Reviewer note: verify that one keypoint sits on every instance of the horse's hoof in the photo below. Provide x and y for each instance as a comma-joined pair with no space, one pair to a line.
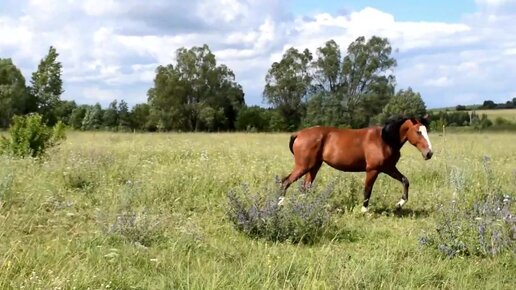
364,209
400,203
281,200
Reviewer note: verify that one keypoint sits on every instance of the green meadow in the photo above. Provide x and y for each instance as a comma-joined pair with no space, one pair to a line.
508,114
148,211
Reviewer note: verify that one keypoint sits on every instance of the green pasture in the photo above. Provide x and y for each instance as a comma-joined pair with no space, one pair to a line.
61,217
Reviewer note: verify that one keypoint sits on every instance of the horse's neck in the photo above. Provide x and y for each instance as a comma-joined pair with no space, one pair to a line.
403,138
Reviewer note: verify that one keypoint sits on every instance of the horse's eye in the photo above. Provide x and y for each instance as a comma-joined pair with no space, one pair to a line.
419,132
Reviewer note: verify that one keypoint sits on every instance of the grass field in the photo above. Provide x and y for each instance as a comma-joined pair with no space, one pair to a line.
508,114
58,216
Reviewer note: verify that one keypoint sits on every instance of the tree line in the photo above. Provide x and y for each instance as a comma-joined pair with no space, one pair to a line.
346,88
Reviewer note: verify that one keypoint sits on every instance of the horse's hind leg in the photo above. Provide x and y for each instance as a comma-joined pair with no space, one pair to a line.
310,176
368,188
292,177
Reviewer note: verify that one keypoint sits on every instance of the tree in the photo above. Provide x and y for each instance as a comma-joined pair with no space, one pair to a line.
110,117
47,86
406,103
488,104
77,116
366,79
324,108
124,120
195,94
63,111
328,68
140,119
253,119
13,92
92,118
287,85
460,108
350,90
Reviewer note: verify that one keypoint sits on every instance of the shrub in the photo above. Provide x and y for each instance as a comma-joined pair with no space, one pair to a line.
30,136
485,227
132,226
303,218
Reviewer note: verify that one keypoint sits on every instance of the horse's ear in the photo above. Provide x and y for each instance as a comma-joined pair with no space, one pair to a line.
425,120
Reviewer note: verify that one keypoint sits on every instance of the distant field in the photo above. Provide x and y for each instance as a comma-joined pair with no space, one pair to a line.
170,191
508,114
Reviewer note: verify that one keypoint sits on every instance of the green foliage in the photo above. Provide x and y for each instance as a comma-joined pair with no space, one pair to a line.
324,109
287,84
460,108
486,229
140,118
404,103
110,116
30,137
77,116
336,89
63,111
488,104
196,94
481,122
47,86
303,217
253,119
124,119
92,118
13,93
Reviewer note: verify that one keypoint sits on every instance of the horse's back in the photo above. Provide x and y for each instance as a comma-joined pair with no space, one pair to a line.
343,149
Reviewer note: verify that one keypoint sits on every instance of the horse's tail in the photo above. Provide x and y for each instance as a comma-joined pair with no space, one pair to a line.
291,143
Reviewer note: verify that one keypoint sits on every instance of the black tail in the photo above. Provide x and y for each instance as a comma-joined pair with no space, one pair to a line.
291,143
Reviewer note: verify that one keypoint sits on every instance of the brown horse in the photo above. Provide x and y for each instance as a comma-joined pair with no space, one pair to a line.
373,150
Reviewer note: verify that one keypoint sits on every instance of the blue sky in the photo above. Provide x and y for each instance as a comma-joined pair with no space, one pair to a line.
452,52
403,10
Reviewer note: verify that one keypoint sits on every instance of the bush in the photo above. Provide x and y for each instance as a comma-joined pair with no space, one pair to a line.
128,222
303,218
137,227
30,136
485,227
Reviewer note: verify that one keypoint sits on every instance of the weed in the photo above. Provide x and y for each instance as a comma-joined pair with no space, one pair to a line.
302,218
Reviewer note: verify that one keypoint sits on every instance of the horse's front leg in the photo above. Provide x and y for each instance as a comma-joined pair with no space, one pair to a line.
396,174
371,176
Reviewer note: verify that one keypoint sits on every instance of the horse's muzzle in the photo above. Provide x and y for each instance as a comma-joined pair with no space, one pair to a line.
428,154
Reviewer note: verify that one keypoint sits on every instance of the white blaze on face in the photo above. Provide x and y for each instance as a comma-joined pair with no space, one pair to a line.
423,131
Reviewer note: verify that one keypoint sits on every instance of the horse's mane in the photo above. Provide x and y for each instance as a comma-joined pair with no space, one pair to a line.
391,130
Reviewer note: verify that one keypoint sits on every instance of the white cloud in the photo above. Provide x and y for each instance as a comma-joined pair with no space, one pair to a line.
96,94
111,48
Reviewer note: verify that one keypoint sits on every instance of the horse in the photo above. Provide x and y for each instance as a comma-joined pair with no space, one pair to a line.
374,150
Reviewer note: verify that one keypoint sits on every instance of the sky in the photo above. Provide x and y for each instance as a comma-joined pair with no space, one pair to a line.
452,52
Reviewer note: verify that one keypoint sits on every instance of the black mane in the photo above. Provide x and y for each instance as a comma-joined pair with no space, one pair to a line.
391,130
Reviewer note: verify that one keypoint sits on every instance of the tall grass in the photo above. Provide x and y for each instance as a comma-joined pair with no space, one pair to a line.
149,211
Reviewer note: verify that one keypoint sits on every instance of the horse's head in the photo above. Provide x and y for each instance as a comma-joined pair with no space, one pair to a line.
397,132
417,135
